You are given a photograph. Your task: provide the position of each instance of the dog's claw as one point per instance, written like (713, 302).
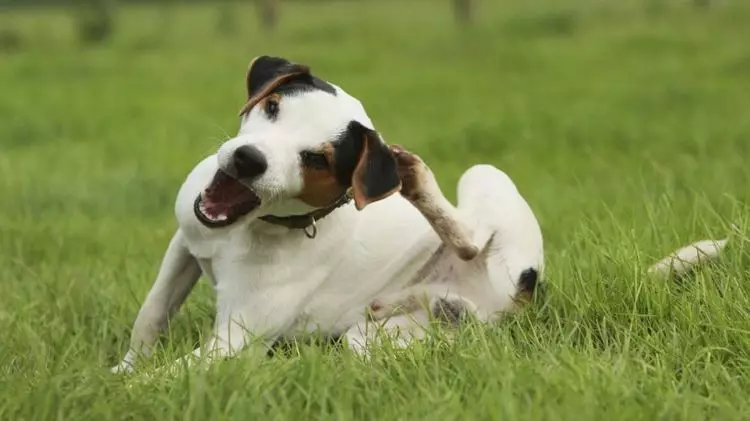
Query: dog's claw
(403, 157)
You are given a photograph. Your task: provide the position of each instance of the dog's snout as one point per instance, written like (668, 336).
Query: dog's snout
(249, 162)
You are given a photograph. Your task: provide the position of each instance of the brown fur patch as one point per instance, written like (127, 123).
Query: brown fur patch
(321, 188)
(271, 97)
(267, 89)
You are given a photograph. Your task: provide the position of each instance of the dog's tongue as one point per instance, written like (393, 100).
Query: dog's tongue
(224, 194)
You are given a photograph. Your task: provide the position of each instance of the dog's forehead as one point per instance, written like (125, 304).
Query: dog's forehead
(332, 111)
(322, 115)
(354, 106)
(309, 117)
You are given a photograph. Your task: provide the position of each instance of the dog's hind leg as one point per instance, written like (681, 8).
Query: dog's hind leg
(396, 332)
(421, 189)
(418, 297)
(451, 310)
(177, 275)
(513, 259)
(402, 328)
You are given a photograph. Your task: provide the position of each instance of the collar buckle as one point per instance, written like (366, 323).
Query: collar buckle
(311, 231)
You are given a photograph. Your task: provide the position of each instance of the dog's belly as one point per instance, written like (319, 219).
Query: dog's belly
(391, 242)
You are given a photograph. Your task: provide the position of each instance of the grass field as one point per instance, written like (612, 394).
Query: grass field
(626, 126)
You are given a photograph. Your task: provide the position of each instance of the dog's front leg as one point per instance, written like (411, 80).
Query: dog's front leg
(246, 320)
(228, 340)
(421, 189)
(177, 275)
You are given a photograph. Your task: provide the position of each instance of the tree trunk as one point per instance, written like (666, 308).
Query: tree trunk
(268, 12)
(227, 23)
(464, 11)
(96, 20)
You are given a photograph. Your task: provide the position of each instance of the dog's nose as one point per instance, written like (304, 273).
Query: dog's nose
(249, 162)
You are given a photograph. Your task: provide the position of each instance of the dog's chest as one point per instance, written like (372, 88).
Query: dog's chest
(248, 262)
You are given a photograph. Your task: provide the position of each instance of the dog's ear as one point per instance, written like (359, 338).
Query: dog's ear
(265, 74)
(365, 162)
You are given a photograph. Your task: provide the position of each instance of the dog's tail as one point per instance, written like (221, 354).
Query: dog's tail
(688, 258)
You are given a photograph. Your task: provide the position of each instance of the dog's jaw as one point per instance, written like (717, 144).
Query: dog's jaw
(224, 201)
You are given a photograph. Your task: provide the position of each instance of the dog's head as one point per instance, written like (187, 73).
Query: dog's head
(302, 144)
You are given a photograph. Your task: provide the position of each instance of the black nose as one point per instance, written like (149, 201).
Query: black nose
(249, 162)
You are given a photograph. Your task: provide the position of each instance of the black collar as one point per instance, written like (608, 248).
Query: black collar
(306, 221)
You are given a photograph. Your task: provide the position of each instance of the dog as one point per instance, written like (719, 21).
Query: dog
(308, 222)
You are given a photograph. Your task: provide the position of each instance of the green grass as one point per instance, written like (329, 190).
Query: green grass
(626, 126)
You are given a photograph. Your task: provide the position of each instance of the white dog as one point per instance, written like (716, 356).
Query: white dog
(270, 222)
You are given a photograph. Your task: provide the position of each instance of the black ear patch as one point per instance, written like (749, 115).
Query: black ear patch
(376, 171)
(267, 75)
(264, 69)
(347, 149)
(364, 162)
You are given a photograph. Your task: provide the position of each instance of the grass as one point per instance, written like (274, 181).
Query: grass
(625, 125)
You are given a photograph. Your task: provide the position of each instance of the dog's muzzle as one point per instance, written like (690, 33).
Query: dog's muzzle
(224, 201)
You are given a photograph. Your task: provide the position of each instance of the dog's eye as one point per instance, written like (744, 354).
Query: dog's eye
(314, 160)
(272, 108)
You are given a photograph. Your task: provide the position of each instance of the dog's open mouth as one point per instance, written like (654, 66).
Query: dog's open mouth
(224, 201)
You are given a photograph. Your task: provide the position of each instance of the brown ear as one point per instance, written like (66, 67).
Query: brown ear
(267, 73)
(375, 176)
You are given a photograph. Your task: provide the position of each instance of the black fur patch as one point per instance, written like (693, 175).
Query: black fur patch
(266, 68)
(528, 280)
(323, 85)
(347, 148)
(304, 83)
(530, 284)
(380, 175)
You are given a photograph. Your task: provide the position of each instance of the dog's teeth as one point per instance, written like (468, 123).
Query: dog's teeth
(221, 217)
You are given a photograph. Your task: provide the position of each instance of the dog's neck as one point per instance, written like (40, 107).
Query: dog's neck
(307, 220)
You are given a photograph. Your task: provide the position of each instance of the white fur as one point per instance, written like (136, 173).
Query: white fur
(272, 282)
(683, 260)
